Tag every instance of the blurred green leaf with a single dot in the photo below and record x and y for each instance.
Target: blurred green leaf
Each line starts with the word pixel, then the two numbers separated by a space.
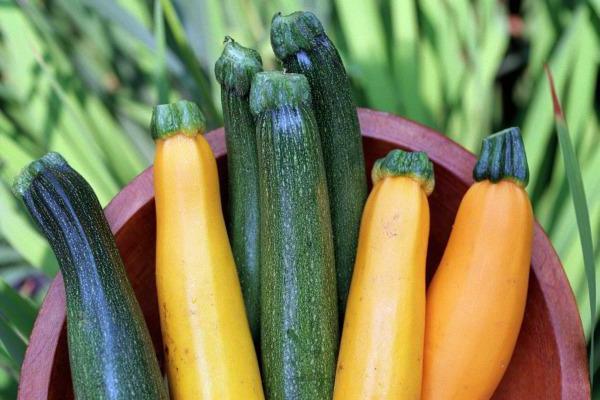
pixel 18 310
pixel 431 88
pixel 406 58
pixel 117 14
pixel 363 30
pixel 20 233
pixel 193 66
pixel 8 384
pixel 595 4
pixel 88 158
pixel 478 97
pixel 542 33
pixel 13 344
pixel 442 31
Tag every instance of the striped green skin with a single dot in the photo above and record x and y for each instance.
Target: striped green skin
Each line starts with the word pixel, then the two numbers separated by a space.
pixel 244 212
pixel 301 44
pixel 503 156
pixel 234 71
pixel 299 323
pixel 110 350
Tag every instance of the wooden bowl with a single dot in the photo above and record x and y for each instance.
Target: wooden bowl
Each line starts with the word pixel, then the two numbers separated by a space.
pixel 550 359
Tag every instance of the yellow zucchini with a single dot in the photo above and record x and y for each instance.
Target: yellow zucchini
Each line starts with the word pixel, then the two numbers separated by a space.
pixel 208 346
pixel 476 300
pixel 382 341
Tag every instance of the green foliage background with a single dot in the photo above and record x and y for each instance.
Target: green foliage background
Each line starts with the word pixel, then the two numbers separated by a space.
pixel 80 77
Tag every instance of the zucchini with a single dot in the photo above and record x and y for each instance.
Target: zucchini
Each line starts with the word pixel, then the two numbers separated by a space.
pixel 376 363
pixel 110 349
pixel 234 70
pixel 208 345
pixel 299 323
pixel 300 42
pixel 476 299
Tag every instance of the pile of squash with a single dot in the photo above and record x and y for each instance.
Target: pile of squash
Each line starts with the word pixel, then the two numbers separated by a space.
pixel 316 288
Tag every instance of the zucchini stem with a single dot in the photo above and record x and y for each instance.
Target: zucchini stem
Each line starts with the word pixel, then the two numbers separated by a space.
pixel 274 89
pixel 415 165
pixel 293 33
pixel 236 67
pixel 180 117
pixel 27 175
pixel 503 156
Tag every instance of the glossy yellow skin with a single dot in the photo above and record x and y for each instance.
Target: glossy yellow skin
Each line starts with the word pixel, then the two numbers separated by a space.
pixel 382 341
pixel 476 301
pixel 207 339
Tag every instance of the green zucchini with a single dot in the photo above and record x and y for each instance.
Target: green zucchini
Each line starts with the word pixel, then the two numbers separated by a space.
pixel 300 42
pixel 299 323
pixel 234 70
pixel 110 349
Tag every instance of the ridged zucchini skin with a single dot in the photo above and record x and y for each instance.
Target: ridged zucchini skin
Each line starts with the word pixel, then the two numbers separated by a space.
pixel 110 350
pixel 234 71
pixel 299 323
pixel 300 42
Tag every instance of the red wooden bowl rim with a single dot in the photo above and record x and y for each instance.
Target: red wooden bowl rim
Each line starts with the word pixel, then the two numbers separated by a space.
pixel 562 310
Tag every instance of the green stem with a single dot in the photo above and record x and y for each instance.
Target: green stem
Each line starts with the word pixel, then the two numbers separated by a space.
pixel 180 117
pixel 25 178
pixel 503 157
pixel 414 165
pixel 236 67
pixel 273 89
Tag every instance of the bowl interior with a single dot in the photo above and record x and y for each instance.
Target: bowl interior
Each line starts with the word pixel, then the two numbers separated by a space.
pixel 540 367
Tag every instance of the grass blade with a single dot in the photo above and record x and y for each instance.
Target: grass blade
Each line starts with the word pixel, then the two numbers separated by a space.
pixel 204 25
pixel 579 106
pixel 190 60
pixel 581 208
pixel 537 124
pixel 162 83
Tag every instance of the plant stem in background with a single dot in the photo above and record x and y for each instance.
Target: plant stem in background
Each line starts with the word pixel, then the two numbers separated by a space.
pixel 162 81
pixel 581 209
pixel 194 67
